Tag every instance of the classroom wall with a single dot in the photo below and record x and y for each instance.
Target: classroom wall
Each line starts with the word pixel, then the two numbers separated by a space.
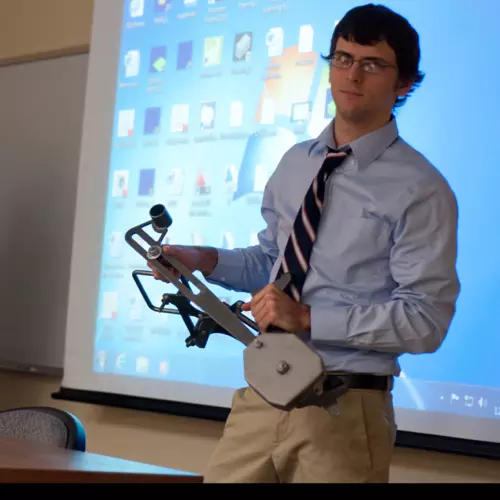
pixel 32 30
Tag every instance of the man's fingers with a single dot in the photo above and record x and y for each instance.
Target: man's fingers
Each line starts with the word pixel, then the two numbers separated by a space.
pixel 268 303
pixel 269 318
pixel 256 299
pixel 264 295
pixel 264 306
pixel 158 276
pixel 267 313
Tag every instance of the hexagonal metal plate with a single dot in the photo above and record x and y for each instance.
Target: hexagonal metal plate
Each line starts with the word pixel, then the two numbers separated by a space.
pixel 281 368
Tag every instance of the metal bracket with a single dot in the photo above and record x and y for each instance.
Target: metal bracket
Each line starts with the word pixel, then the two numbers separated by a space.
pixel 279 366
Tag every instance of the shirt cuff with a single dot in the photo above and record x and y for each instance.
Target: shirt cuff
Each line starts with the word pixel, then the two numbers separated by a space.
pixel 229 266
pixel 329 325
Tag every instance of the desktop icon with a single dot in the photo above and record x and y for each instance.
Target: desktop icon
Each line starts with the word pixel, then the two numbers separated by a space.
pixel 120 184
pixel 231 178
pixel 207 115
pixel 142 364
pixel 274 42
pixel 146 182
pixel 136 307
pixel 132 62
pixel 126 120
pixel 212 53
pixel 136 8
pixel 201 187
pixel 109 305
pixel 236 114
pixel 152 121
pixel 175 180
pixel 185 55
pixel 102 357
pixel 162 6
pixel 163 367
pixel 306 38
pixel 158 60
pixel 242 47
pixel 120 361
pixel 180 118
pixel 116 245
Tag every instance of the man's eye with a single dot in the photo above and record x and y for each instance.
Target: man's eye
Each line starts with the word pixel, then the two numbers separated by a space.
pixel 372 66
pixel 343 59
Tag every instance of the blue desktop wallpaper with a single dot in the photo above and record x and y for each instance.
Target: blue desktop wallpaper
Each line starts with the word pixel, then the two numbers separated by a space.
pixel 211 93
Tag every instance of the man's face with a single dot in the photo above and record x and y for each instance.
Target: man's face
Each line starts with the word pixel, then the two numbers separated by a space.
pixel 368 95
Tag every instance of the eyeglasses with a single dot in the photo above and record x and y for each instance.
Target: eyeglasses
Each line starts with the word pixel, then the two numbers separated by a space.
pixel 372 65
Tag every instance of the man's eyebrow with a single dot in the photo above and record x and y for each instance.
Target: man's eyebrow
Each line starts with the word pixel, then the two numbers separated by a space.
pixel 373 58
pixel 367 58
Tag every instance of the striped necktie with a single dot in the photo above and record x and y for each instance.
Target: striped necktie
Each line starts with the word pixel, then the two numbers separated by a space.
pixel 300 243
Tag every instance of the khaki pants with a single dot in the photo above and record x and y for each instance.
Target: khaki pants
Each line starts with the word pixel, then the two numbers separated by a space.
pixel 261 444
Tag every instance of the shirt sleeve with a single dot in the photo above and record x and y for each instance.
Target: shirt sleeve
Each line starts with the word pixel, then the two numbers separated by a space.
pixel 248 269
pixel 423 264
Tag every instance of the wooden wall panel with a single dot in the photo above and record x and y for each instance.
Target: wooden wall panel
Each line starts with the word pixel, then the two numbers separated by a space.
pixel 41 29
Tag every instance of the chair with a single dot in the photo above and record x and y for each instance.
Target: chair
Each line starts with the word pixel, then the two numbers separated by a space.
pixel 45 425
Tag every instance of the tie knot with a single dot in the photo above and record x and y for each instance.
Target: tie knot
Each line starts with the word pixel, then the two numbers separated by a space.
pixel 338 152
pixel 334 157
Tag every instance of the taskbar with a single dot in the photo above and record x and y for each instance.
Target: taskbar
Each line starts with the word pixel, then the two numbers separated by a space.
pixel 461 399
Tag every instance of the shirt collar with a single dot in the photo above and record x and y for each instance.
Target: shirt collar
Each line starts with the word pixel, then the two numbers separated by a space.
pixel 366 148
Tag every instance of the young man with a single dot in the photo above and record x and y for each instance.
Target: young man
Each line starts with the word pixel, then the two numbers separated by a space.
pixel 379 280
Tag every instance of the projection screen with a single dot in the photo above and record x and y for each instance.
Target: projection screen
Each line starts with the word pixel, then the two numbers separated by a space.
pixel 192 103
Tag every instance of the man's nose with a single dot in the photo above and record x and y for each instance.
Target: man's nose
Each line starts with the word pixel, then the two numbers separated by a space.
pixel 355 72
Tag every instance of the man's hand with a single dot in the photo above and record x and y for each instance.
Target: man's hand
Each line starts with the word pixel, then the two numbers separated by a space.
pixel 202 259
pixel 272 307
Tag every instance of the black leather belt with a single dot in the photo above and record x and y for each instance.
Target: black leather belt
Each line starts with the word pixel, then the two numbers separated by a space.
pixel 359 381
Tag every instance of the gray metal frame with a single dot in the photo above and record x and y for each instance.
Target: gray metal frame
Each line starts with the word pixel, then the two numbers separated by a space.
pixel 281 367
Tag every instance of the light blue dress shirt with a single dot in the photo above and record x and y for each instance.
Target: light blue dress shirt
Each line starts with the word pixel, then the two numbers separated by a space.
pixel 382 279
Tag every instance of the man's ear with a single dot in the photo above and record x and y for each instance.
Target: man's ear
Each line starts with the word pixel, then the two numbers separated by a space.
pixel 403 87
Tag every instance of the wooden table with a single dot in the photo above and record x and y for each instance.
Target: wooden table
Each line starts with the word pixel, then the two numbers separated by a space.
pixel 28 462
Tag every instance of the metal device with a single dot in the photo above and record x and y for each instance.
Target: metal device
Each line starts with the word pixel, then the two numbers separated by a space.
pixel 278 365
